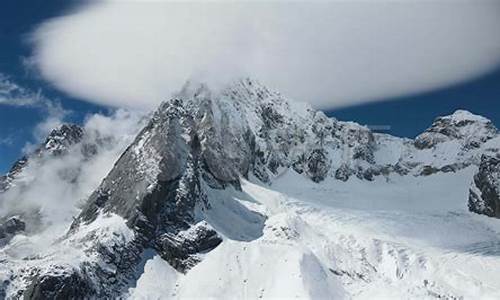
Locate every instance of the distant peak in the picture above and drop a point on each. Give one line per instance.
(62, 137)
(465, 115)
(66, 129)
(473, 130)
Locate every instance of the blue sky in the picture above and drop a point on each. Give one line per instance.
(406, 116)
(410, 115)
(17, 19)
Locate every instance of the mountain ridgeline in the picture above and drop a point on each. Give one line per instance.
(159, 193)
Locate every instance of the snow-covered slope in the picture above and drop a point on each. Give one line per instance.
(351, 240)
(241, 193)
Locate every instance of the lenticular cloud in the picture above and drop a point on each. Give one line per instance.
(136, 53)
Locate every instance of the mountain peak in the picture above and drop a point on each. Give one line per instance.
(465, 116)
(193, 89)
(241, 88)
(469, 129)
(62, 137)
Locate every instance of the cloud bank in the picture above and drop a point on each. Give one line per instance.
(331, 54)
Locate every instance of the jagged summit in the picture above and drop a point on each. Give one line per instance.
(471, 130)
(61, 138)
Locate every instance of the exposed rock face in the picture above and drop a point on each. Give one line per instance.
(280, 134)
(15, 170)
(158, 198)
(58, 286)
(61, 138)
(181, 250)
(471, 130)
(159, 158)
(10, 227)
(317, 165)
(484, 194)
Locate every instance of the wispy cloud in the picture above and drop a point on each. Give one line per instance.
(55, 116)
(6, 141)
(13, 94)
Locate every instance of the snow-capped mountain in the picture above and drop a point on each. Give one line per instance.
(242, 193)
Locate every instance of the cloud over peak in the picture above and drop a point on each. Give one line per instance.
(329, 53)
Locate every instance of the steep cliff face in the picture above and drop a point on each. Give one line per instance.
(484, 195)
(155, 186)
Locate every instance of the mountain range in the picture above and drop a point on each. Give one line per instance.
(240, 192)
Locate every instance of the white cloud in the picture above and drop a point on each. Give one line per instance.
(136, 53)
(14, 95)
(54, 118)
(6, 141)
(56, 186)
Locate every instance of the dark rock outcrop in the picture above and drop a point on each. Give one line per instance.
(10, 227)
(181, 250)
(155, 187)
(59, 285)
(484, 194)
(60, 139)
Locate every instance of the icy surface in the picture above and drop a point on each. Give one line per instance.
(406, 239)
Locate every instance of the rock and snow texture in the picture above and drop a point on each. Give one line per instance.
(354, 239)
(241, 193)
(46, 190)
(468, 129)
(57, 143)
(484, 196)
